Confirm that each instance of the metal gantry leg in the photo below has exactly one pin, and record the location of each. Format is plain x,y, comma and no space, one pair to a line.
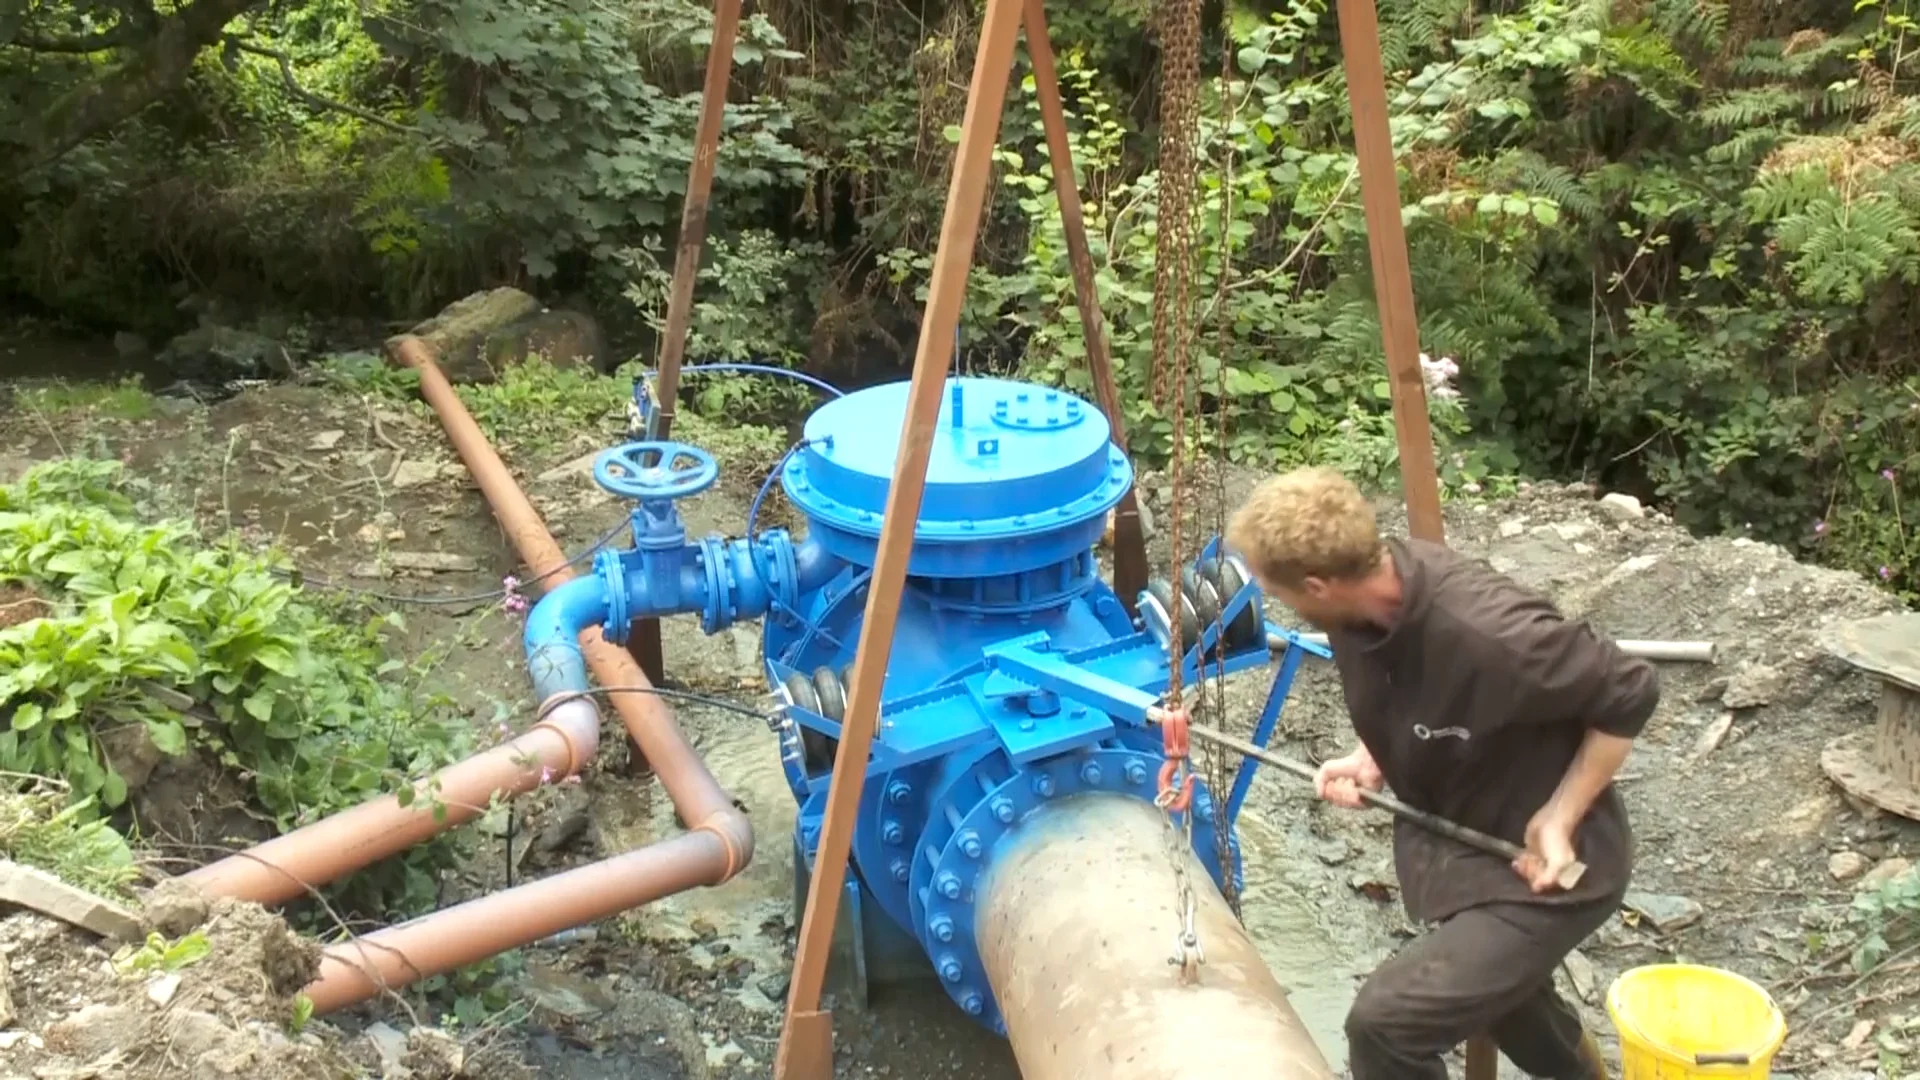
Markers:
806,1038
1263,731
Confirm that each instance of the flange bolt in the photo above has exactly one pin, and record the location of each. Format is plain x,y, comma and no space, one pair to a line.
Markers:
972,1003
1003,811
950,969
941,927
901,871
1090,773
893,833
970,844
949,885
1136,773
899,792
1043,786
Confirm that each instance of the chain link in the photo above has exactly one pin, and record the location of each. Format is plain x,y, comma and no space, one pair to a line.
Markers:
1172,348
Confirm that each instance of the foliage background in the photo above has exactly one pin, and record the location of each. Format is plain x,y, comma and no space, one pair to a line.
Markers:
1671,244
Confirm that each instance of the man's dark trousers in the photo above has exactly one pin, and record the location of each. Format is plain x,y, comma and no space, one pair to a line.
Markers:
1485,971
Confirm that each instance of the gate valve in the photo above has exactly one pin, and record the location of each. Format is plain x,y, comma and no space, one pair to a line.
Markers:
655,471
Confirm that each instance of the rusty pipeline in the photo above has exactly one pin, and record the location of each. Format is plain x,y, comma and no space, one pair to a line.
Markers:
1082,1002
717,846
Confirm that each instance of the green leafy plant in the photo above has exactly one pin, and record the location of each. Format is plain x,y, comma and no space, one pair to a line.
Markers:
304,706
157,954
42,826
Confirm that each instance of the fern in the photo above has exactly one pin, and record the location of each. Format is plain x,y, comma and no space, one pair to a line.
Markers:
1699,24
1843,249
1760,105
1529,172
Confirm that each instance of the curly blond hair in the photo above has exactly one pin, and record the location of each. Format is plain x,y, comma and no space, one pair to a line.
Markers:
1310,522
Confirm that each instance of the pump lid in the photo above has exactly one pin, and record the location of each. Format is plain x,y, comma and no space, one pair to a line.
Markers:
1008,459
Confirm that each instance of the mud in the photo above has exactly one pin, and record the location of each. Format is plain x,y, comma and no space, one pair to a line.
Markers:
694,986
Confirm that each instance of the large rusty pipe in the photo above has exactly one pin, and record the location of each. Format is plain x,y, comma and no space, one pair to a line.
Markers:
1076,920
698,798
285,867
356,970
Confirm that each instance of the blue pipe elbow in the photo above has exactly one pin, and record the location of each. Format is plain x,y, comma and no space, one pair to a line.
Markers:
814,565
552,636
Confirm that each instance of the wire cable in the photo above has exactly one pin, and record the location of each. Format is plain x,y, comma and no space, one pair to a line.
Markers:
768,369
547,707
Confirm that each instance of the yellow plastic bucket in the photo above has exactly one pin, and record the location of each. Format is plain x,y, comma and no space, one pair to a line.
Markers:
1683,1020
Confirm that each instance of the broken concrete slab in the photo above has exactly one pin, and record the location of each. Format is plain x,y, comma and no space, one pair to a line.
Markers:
37,890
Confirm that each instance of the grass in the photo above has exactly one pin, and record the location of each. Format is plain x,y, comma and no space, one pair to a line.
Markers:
39,827
127,399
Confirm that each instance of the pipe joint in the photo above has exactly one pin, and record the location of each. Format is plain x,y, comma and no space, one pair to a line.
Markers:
576,720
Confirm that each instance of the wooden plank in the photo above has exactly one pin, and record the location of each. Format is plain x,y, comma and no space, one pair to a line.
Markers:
1129,539
37,890
806,1045
1392,276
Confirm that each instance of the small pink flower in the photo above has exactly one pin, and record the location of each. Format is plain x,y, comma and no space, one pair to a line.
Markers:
1820,528
510,583
1886,573
546,774
515,603
1887,475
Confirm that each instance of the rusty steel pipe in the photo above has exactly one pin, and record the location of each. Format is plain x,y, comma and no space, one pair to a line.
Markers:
700,801
356,970
1076,920
287,866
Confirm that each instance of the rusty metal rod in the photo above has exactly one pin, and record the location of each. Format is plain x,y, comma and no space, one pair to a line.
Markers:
1473,838
643,638
1088,996
806,1039
1392,276
1129,538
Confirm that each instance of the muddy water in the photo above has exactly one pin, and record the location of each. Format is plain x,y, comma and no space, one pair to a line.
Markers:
1292,905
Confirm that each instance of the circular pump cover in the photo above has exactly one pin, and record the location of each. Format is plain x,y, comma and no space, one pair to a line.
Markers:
1028,469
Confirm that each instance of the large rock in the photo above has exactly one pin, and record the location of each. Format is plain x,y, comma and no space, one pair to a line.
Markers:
477,337
214,353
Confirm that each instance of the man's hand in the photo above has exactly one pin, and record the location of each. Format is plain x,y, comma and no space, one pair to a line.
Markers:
1340,780
1549,849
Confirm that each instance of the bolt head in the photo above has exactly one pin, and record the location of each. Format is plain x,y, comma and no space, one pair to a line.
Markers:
901,871
970,844
893,832
949,886
941,927
1136,773
972,1003
1003,811
1043,786
899,792
950,969
1090,773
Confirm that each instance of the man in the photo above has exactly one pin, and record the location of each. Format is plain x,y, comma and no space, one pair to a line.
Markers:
1476,700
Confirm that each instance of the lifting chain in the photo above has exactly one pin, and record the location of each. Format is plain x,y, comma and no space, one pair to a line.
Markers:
1172,348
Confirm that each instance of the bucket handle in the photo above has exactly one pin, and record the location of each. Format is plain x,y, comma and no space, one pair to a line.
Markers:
1722,1059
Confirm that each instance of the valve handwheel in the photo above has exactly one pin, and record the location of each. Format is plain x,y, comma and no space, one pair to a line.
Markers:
646,471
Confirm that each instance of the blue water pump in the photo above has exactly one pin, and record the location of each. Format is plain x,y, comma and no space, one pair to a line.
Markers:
1017,675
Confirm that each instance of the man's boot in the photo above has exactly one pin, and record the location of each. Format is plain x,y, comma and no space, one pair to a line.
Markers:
1592,1060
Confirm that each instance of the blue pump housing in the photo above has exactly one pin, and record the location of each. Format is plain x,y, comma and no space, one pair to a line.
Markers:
1017,675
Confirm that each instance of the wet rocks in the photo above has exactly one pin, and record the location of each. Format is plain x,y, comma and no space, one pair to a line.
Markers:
1620,506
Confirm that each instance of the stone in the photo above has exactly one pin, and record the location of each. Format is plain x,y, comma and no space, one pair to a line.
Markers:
161,988
433,1054
413,474
6,993
1666,913
326,440
458,335
1753,685
1884,872
1846,865
40,891
1511,529
389,1044
176,908
1621,506
1714,690
432,562
217,353
558,337
1580,973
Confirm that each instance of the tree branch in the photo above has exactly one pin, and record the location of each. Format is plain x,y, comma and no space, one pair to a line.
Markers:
312,99
122,35
160,64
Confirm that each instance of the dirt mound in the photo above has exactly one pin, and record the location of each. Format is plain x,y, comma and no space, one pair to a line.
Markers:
217,1001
